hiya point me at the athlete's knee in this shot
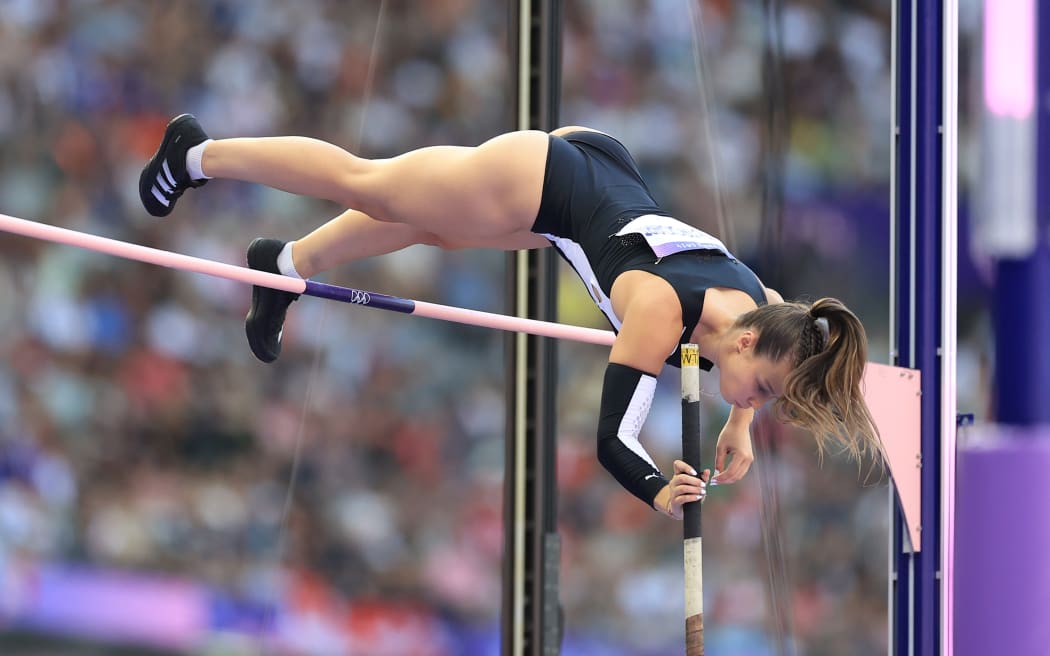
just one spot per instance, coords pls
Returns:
(444, 243)
(365, 188)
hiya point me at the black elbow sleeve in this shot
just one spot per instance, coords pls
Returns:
(627, 394)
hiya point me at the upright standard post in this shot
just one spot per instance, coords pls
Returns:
(923, 306)
(532, 615)
(694, 571)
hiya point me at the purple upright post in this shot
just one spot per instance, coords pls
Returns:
(919, 121)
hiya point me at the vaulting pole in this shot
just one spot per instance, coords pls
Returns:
(694, 573)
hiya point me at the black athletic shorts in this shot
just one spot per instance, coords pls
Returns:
(591, 188)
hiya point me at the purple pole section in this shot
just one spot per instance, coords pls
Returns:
(1022, 314)
(359, 297)
(1002, 538)
(459, 315)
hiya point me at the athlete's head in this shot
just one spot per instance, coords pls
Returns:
(810, 359)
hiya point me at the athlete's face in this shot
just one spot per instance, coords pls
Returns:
(748, 380)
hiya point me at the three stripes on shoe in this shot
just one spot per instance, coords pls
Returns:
(167, 182)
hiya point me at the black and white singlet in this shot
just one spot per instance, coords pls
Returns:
(599, 214)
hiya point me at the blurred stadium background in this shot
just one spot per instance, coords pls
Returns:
(146, 459)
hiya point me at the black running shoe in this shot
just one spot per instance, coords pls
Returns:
(164, 177)
(265, 320)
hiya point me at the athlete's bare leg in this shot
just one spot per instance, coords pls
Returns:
(354, 235)
(454, 192)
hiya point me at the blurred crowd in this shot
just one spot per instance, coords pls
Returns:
(137, 432)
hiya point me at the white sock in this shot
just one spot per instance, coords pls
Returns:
(193, 161)
(285, 264)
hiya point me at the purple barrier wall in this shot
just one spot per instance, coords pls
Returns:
(1002, 545)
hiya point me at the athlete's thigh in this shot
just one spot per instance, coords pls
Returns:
(508, 173)
(488, 191)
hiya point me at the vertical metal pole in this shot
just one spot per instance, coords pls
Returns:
(894, 580)
(949, 321)
(692, 545)
(929, 171)
(531, 613)
(902, 291)
(920, 303)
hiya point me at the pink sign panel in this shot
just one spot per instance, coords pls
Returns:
(892, 394)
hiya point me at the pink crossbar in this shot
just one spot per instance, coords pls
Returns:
(252, 277)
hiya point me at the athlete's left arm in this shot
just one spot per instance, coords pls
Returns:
(734, 447)
(734, 442)
(734, 454)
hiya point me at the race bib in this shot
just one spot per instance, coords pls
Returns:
(667, 236)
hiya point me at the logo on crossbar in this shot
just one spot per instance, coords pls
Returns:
(359, 297)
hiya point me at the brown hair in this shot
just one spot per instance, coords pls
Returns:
(822, 393)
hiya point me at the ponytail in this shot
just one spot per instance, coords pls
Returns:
(822, 393)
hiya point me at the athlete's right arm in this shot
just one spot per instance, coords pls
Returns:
(649, 331)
